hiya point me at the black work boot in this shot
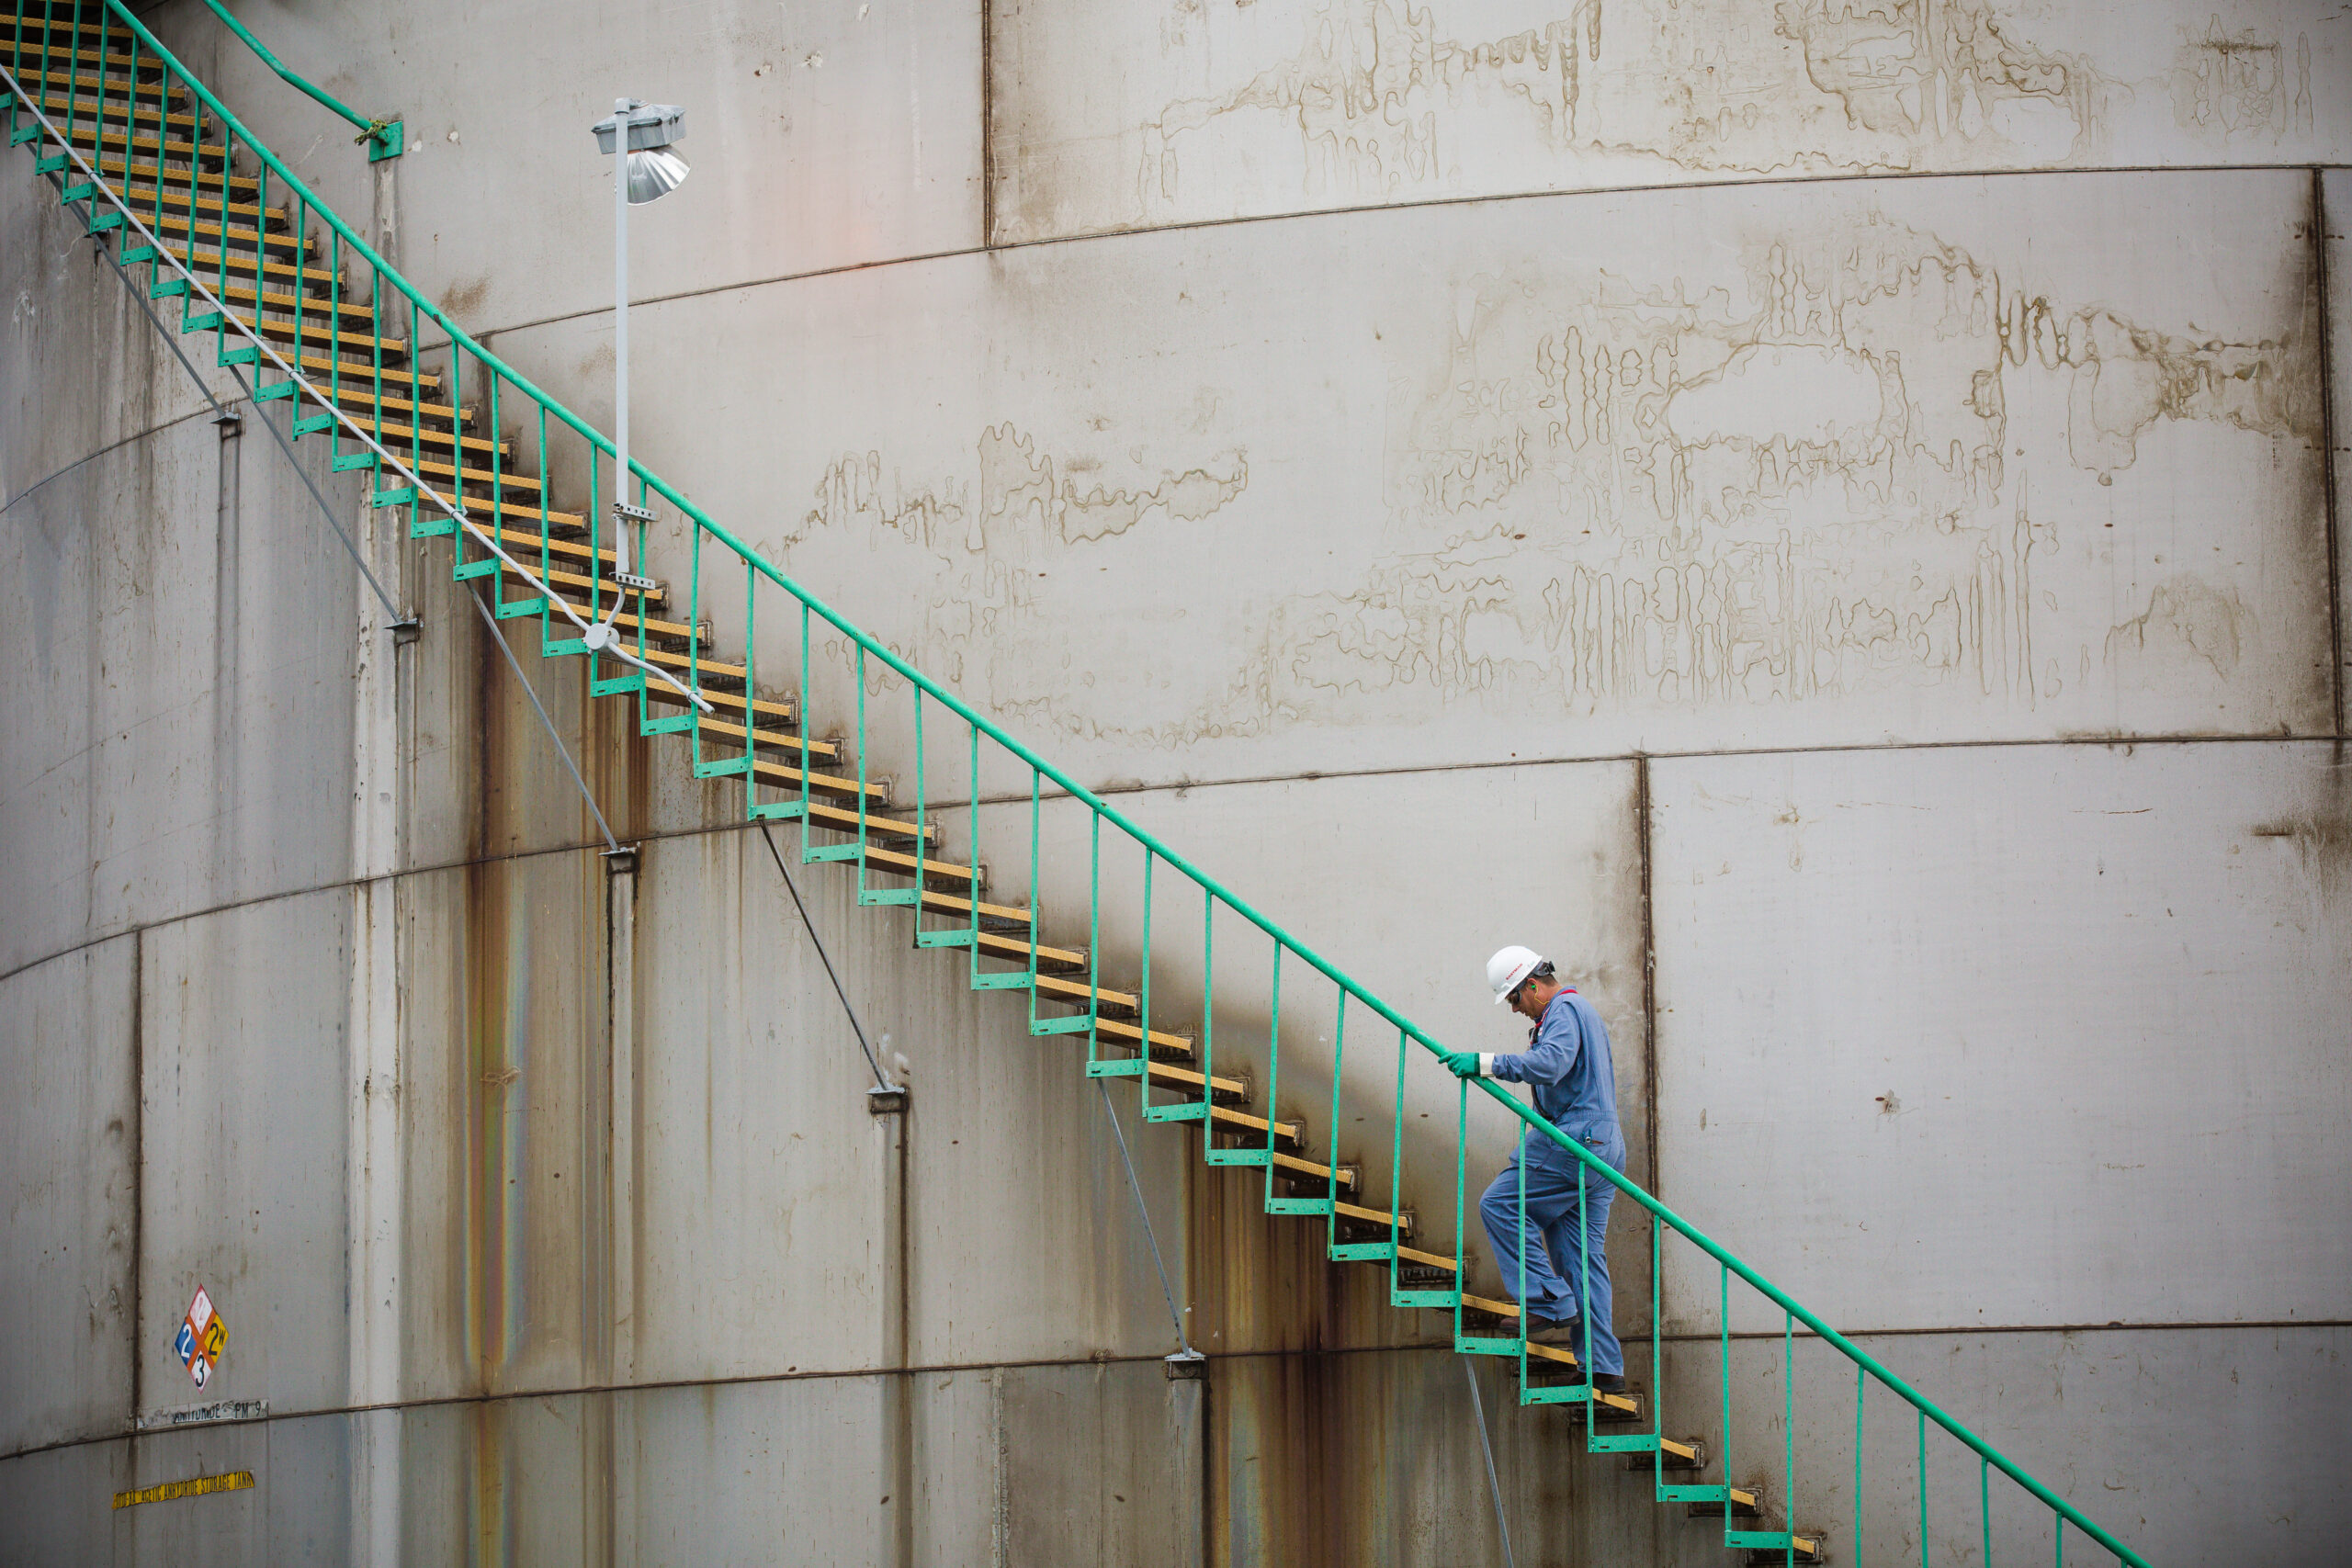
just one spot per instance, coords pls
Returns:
(1560, 1331)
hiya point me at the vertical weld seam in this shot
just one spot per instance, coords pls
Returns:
(1649, 961)
(987, 127)
(2327, 451)
(138, 1160)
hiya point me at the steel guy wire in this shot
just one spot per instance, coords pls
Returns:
(1487, 1446)
(881, 1079)
(1136, 1187)
(490, 623)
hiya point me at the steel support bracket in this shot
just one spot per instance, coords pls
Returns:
(1187, 1365)
(887, 1100)
(385, 138)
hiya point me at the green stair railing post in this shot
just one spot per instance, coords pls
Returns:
(383, 138)
(1923, 1489)
(752, 688)
(1722, 1307)
(1861, 1381)
(1584, 1301)
(1208, 1014)
(1984, 1504)
(1331, 1155)
(1460, 1167)
(1789, 1434)
(973, 911)
(1143, 991)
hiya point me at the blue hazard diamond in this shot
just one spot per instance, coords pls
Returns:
(183, 1342)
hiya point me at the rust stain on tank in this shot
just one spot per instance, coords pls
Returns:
(496, 1019)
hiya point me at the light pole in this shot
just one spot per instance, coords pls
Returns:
(644, 169)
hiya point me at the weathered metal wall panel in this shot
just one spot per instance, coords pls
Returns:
(822, 135)
(2335, 188)
(242, 1123)
(56, 1500)
(180, 734)
(81, 367)
(760, 1175)
(1930, 460)
(767, 1190)
(1111, 116)
(2009, 1037)
(69, 1216)
(503, 1056)
(2214, 1442)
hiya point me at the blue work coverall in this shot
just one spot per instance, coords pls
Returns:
(1567, 1063)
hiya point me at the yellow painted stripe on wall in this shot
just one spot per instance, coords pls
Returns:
(235, 1480)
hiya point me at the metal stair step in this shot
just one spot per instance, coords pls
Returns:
(207, 265)
(65, 25)
(280, 330)
(171, 177)
(273, 300)
(107, 109)
(132, 142)
(558, 578)
(282, 242)
(776, 740)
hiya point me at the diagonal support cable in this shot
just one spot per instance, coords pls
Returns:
(1182, 1339)
(307, 483)
(490, 623)
(881, 1079)
(1487, 1446)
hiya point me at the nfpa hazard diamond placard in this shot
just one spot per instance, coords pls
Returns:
(202, 1338)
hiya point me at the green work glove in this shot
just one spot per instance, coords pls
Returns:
(1461, 1064)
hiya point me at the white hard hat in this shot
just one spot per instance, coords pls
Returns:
(1506, 969)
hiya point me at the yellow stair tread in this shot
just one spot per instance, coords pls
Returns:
(841, 820)
(655, 625)
(188, 223)
(1321, 1172)
(1167, 1072)
(1004, 944)
(1120, 1029)
(560, 578)
(135, 142)
(1382, 1217)
(778, 738)
(243, 294)
(171, 176)
(529, 540)
(144, 197)
(316, 331)
(86, 110)
(1242, 1118)
(472, 475)
(821, 783)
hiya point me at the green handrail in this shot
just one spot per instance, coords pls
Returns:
(384, 138)
(868, 647)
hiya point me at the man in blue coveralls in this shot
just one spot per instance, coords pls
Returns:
(1566, 1219)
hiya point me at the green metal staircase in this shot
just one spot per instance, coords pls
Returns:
(157, 168)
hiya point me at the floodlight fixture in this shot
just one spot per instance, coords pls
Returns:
(637, 137)
(654, 171)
